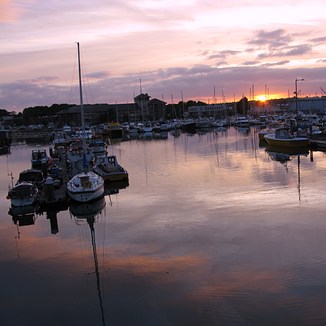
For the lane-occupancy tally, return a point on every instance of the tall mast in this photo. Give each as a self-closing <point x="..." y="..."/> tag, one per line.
<point x="81" y="107"/>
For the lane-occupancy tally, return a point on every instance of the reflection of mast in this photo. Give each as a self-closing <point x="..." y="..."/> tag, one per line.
<point x="17" y="237"/>
<point x="299" y="191"/>
<point x="90" y="212"/>
<point x="90" y="222"/>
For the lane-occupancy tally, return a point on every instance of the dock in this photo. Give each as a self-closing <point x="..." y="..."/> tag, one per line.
<point x="53" y="194"/>
<point x="317" y="144"/>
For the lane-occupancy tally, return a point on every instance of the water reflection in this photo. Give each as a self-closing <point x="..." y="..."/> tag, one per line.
<point x="209" y="227"/>
<point x="89" y="213"/>
<point x="284" y="155"/>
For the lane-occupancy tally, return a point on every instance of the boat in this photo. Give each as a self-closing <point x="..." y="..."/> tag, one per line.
<point x="23" y="194"/>
<point x="188" y="126"/>
<point x="60" y="139"/>
<point x="76" y="155"/>
<point x="114" y="130"/>
<point x="34" y="176"/>
<point x="111" y="188"/>
<point x="282" y="138"/>
<point x="109" y="169"/>
<point x="97" y="146"/>
<point x="40" y="159"/>
<point x="241" y="122"/>
<point x="85" y="186"/>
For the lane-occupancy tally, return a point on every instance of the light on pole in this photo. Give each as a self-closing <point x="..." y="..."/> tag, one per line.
<point x="296" y="94"/>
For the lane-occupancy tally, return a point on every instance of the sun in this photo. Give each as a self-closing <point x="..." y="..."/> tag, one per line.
<point x="261" y="98"/>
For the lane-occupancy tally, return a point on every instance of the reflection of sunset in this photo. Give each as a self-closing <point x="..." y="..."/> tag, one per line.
<point x="209" y="231"/>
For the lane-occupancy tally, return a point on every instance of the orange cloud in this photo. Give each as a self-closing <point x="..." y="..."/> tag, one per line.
<point x="9" y="11"/>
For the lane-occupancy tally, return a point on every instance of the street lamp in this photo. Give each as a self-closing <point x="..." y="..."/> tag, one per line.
<point x="296" y="94"/>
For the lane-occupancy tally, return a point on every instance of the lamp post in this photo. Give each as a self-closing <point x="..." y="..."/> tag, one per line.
<point x="296" y="94"/>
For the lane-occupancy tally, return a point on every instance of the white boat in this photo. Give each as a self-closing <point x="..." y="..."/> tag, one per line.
<point x="87" y="185"/>
<point x="241" y="122"/>
<point x="23" y="194"/>
<point x="282" y="138"/>
<point x="109" y="169"/>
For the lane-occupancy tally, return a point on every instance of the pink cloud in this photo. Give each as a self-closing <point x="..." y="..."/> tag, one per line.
<point x="9" y="11"/>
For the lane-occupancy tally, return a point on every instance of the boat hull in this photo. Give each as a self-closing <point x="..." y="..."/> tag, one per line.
<point x="295" y="142"/>
<point x="112" y="176"/>
<point x="86" y="196"/>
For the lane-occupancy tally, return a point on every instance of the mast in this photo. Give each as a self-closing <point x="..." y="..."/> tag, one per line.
<point x="141" y="100"/>
<point x="85" y="163"/>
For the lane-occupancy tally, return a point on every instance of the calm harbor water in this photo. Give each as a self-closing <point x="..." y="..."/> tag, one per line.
<point x="212" y="230"/>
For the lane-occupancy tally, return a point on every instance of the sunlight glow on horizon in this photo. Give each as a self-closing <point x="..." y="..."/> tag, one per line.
<point x="188" y="47"/>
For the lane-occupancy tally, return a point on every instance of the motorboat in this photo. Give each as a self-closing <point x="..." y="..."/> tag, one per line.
<point x="60" y="139"/>
<point x="40" y="159"/>
<point x="282" y="138"/>
<point x="98" y="146"/>
<point x="188" y="126"/>
<point x="34" y="176"/>
<point x="23" y="194"/>
<point x="109" y="169"/>
<point x="241" y="122"/>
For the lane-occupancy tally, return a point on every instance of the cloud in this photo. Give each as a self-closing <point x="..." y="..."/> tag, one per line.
<point x="9" y="11"/>
<point x="98" y="75"/>
<point x="195" y="82"/>
<point x="292" y="51"/>
<point x="184" y="43"/>
<point x="318" y="40"/>
<point x="277" y="63"/>
<point x="278" y="43"/>
<point x="271" y="39"/>
<point x="223" y="54"/>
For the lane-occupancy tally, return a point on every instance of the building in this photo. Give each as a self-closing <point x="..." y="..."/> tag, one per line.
<point x="308" y="104"/>
<point x="143" y="109"/>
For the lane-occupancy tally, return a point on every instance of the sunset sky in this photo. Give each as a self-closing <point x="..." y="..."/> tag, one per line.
<point x="183" y="49"/>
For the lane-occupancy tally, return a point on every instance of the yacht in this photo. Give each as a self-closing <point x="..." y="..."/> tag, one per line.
<point x="85" y="186"/>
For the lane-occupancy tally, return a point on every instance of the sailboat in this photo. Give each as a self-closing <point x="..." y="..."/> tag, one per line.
<point x="86" y="185"/>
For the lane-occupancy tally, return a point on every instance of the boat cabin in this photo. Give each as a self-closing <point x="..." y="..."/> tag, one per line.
<point x="283" y="133"/>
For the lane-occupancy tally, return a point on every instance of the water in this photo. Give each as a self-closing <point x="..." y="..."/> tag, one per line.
<point x="210" y="231"/>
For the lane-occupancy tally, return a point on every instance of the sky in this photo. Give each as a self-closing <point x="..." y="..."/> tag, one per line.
<point x="206" y="50"/>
